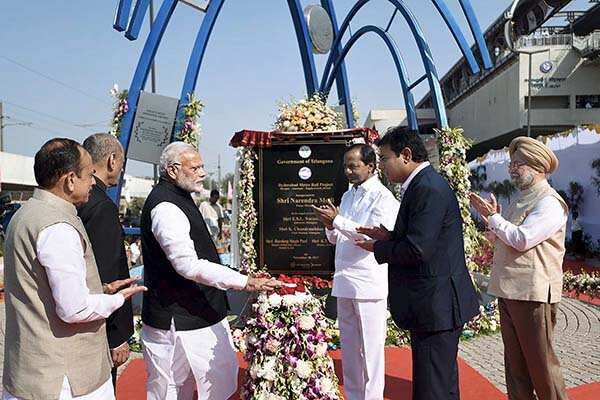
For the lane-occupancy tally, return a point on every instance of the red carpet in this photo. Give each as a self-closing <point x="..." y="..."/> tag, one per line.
<point x="583" y="297"/>
<point x="132" y="383"/>
<point x="473" y="386"/>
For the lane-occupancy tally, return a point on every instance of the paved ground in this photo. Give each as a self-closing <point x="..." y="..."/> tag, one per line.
<point x="577" y="341"/>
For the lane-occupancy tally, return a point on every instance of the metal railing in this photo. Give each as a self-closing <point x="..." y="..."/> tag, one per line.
<point x="588" y="45"/>
<point x="542" y="41"/>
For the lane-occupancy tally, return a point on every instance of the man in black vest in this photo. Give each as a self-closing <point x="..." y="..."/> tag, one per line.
<point x="185" y="334"/>
<point x="431" y="292"/>
<point x="100" y="216"/>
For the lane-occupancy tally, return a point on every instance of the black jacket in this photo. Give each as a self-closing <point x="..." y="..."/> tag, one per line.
<point x="100" y="216"/>
<point x="429" y="284"/>
<point x="170" y="296"/>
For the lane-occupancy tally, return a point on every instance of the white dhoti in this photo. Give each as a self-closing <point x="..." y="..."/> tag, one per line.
<point x="176" y="359"/>
<point x="362" y="332"/>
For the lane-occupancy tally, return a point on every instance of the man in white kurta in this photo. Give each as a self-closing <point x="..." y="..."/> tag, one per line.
<point x="54" y="299"/>
<point x="184" y="343"/>
<point x="360" y="283"/>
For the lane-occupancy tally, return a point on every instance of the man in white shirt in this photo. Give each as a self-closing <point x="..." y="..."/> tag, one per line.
<point x="527" y="271"/>
<point x="360" y="283"/>
<point x="213" y="215"/>
<point x="186" y="335"/>
<point x="55" y="344"/>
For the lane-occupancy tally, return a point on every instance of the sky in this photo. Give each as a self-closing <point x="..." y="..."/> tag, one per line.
<point x="60" y="58"/>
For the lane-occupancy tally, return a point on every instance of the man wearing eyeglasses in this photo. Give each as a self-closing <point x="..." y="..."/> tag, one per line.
<point x="527" y="271"/>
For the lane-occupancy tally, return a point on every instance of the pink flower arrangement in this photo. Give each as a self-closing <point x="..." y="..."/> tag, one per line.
<point x="286" y="346"/>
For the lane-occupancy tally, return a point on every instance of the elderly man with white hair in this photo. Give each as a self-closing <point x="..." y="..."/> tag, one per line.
<point x="185" y="332"/>
<point x="527" y="271"/>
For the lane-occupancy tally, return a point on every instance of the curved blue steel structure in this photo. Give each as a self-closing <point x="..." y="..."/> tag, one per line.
<point x="334" y="69"/>
<point x="193" y="68"/>
<point x="400" y="67"/>
<point x="305" y="44"/>
<point x="426" y="56"/>
<point x="343" y="88"/>
<point x="122" y="15"/>
<point x="140" y="76"/>
<point x="448" y="17"/>
<point x="137" y="18"/>
<point x="477" y="34"/>
<point x="212" y="13"/>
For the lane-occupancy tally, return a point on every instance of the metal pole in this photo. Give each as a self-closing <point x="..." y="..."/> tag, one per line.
<point x="153" y="80"/>
<point x="529" y="98"/>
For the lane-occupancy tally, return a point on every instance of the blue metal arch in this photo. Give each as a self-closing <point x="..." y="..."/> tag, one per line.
<point x="476" y="32"/>
<point x="137" y="18"/>
<point x="400" y="67"/>
<point x="305" y="44"/>
<point x="448" y="17"/>
<point x="427" y="58"/>
<point x="195" y="62"/>
<point x="141" y="75"/>
<point x="343" y="88"/>
<point x="193" y="68"/>
<point x="122" y="15"/>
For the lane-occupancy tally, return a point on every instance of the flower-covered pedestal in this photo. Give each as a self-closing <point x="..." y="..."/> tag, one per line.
<point x="286" y="345"/>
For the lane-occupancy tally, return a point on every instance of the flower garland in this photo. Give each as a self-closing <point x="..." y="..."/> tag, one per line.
<point x="190" y="130"/>
<point x="308" y="115"/>
<point x="486" y="323"/>
<point x="120" y="108"/>
<point x="355" y="113"/>
<point x="247" y="218"/>
<point x="453" y="146"/>
<point x="286" y="348"/>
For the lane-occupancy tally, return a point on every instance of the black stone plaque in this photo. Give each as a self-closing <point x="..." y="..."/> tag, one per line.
<point x="290" y="178"/>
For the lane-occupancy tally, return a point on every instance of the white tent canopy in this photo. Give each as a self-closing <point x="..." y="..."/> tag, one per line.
<point x="576" y="150"/>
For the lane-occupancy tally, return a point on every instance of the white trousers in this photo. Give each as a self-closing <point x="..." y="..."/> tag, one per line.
<point x="362" y="332"/>
<point x="104" y="392"/>
<point x="175" y="360"/>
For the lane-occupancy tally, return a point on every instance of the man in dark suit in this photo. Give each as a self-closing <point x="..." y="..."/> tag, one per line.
<point x="431" y="293"/>
<point x="100" y="217"/>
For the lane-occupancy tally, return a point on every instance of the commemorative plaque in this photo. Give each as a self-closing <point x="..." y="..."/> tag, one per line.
<point x="293" y="172"/>
<point x="291" y="178"/>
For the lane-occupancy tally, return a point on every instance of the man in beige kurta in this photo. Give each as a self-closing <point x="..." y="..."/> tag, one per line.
<point x="55" y="342"/>
<point x="527" y="271"/>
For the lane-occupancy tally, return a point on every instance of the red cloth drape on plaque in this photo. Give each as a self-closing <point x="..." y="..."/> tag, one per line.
<point x="262" y="139"/>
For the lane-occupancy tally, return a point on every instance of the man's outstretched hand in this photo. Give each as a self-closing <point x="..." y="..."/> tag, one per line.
<point x="259" y="284"/>
<point x="132" y="290"/>
<point x="368" y="245"/>
<point x="375" y="232"/>
<point x="129" y="283"/>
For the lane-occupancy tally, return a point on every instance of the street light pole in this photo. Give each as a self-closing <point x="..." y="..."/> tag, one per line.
<point x="530" y="54"/>
<point x="511" y="46"/>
